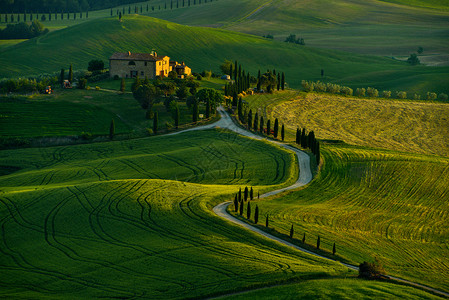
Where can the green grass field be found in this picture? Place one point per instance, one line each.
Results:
(94, 221)
(336, 289)
(411, 126)
(206, 49)
(374, 203)
(72, 112)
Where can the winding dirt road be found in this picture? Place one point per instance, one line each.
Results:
(305, 176)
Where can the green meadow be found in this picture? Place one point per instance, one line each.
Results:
(371, 202)
(206, 48)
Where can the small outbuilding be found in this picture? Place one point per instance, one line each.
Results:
(226, 77)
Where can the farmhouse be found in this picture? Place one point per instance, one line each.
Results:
(129, 65)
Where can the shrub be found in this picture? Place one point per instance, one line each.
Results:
(369, 270)
(97, 88)
(431, 96)
(360, 92)
(372, 92)
(401, 95)
(82, 83)
(346, 91)
(333, 88)
(416, 96)
(150, 131)
(443, 97)
(386, 94)
(307, 86)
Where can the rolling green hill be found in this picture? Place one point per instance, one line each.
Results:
(206, 48)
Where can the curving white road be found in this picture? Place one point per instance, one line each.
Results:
(305, 176)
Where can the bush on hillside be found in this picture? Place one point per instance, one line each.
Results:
(386, 94)
(443, 97)
(371, 271)
(401, 95)
(431, 96)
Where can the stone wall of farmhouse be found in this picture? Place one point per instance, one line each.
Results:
(123, 69)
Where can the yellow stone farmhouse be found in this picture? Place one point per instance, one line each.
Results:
(129, 65)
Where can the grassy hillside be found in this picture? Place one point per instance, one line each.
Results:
(92, 223)
(374, 203)
(336, 289)
(412, 126)
(205, 48)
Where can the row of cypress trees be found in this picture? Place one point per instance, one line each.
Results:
(308, 140)
(239, 208)
(42, 17)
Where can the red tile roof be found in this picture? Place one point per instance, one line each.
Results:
(135, 56)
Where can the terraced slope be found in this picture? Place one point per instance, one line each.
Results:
(206, 48)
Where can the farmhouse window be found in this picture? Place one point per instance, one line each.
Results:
(131, 63)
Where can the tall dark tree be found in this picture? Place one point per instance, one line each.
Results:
(71, 74)
(334, 249)
(177, 117)
(207, 108)
(256, 122)
(283, 81)
(276, 128)
(256, 214)
(236, 203)
(61, 77)
(303, 138)
(241, 208)
(245, 193)
(250, 119)
(240, 194)
(122, 85)
(261, 124)
(258, 81)
(266, 221)
(251, 194)
(318, 241)
(317, 153)
(155, 121)
(268, 127)
(304, 238)
(298, 136)
(282, 132)
(279, 82)
(248, 210)
(291, 232)
(195, 111)
(111, 129)
(235, 71)
(240, 110)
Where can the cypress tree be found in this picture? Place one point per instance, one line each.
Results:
(235, 70)
(298, 136)
(334, 249)
(318, 243)
(240, 110)
(291, 232)
(258, 81)
(279, 82)
(282, 132)
(268, 127)
(111, 130)
(256, 122)
(70, 73)
(256, 214)
(317, 154)
(248, 210)
(258, 196)
(240, 72)
(283, 81)
(87, 14)
(111, 12)
(261, 124)
(251, 194)
(122, 85)
(311, 140)
(266, 221)
(177, 117)
(240, 194)
(230, 72)
(241, 208)
(236, 203)
(276, 128)
(303, 138)
(245, 193)
(155, 122)
(195, 111)
(304, 238)
(207, 108)
(250, 119)
(61, 77)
